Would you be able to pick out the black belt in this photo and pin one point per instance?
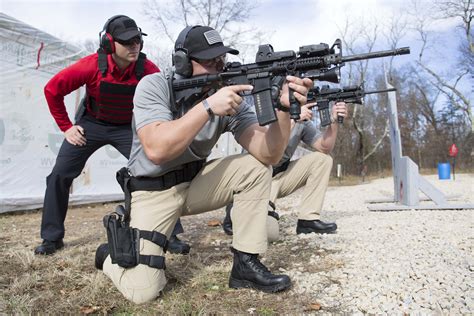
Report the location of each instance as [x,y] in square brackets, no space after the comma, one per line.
[168,180]
[161,183]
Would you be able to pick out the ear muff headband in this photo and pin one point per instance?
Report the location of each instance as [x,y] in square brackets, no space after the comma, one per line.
[182,37]
[180,58]
[106,25]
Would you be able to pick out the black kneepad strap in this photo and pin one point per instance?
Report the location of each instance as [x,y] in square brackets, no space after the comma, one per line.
[124,243]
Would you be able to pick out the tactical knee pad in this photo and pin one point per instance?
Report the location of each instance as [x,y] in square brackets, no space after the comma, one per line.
[273,226]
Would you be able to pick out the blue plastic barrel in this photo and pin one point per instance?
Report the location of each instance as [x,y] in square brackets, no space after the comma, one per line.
[444,171]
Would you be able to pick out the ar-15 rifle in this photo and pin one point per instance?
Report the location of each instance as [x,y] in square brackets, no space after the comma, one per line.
[317,62]
[324,95]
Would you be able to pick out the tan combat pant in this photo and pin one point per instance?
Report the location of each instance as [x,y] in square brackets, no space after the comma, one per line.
[312,171]
[240,178]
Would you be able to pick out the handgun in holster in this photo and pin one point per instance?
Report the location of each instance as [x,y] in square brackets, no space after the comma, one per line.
[124,241]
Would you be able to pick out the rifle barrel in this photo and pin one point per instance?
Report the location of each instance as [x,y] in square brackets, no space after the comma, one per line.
[380,91]
[383,53]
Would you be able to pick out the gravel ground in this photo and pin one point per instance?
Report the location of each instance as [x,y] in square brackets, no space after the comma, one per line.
[399,262]
[414,261]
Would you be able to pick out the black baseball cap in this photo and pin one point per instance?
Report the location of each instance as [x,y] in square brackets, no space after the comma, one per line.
[124,28]
[203,42]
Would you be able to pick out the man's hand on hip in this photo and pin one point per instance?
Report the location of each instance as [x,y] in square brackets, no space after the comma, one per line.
[75,135]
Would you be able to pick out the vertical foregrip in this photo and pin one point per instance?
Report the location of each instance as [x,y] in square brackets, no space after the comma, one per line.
[340,119]
[295,109]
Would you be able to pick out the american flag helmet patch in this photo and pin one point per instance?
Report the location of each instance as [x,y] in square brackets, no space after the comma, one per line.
[212,37]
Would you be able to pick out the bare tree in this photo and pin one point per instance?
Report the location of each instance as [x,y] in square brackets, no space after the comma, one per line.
[90,46]
[432,104]
[461,10]
[449,84]
[228,17]
[357,38]
[394,31]
[448,89]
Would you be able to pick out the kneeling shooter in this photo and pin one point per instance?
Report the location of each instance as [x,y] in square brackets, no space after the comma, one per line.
[169,148]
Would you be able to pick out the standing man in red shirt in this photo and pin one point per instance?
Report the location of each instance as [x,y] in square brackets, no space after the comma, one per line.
[110,76]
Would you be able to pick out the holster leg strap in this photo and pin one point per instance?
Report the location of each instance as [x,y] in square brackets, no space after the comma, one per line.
[155,237]
[157,262]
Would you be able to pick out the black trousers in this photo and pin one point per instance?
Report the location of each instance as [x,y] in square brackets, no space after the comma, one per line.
[69,164]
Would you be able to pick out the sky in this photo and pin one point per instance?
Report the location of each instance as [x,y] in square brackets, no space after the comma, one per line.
[289,23]
[290,20]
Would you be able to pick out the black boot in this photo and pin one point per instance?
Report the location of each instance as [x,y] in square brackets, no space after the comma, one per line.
[315,226]
[100,254]
[49,247]
[227,223]
[249,272]
[178,246]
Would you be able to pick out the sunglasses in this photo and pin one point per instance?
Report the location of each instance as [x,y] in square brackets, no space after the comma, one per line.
[217,61]
[134,41]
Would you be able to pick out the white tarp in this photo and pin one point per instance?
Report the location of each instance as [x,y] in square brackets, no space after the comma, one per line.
[29,136]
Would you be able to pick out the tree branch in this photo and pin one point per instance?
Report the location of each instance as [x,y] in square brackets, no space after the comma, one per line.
[379,142]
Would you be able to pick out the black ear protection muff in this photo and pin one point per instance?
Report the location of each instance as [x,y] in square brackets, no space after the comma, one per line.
[107,41]
[180,59]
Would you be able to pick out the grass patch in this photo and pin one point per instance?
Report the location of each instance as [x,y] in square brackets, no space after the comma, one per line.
[68,283]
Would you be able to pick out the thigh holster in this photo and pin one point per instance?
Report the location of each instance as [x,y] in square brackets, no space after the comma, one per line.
[124,242]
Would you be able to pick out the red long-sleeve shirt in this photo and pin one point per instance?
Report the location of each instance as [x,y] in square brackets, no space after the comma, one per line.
[86,72]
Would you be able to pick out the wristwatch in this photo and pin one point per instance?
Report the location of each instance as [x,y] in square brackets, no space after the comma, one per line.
[208,108]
